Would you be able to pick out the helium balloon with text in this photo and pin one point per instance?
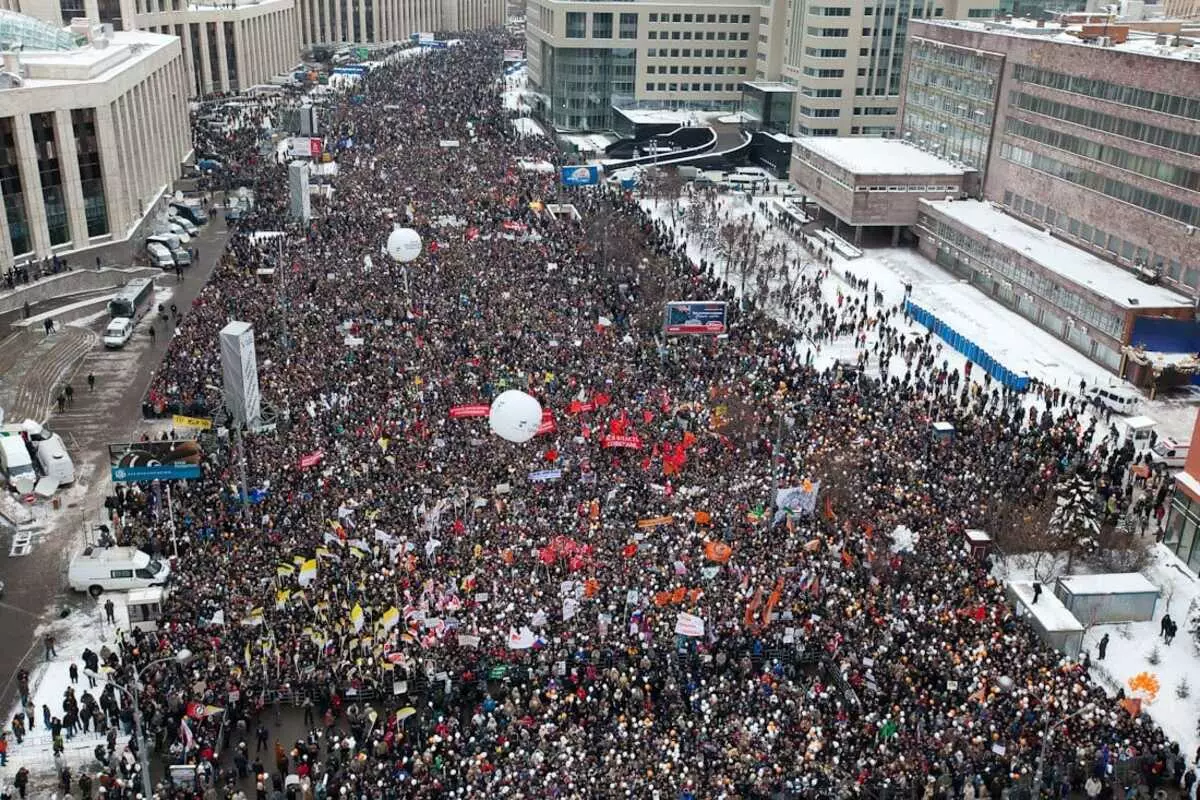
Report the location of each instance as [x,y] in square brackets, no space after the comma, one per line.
[404,244]
[515,416]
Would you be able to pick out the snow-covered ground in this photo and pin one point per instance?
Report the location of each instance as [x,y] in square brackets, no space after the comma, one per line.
[515,91]
[527,127]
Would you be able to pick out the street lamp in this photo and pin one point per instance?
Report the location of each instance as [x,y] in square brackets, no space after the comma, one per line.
[1007,684]
[182,657]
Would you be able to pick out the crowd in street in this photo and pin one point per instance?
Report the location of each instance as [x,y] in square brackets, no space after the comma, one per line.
[460,616]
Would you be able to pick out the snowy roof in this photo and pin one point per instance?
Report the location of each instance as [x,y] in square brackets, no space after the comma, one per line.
[1189,482]
[1109,583]
[680,117]
[1138,43]
[1055,255]
[976,535]
[770,86]
[871,156]
[1048,610]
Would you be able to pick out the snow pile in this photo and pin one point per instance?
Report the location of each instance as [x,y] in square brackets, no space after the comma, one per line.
[903,540]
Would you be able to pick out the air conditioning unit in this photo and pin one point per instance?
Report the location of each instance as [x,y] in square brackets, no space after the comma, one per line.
[1105,41]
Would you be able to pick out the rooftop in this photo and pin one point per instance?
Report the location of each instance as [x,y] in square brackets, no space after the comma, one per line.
[1139,42]
[871,156]
[770,86]
[1075,265]
[1109,583]
[1048,610]
[88,63]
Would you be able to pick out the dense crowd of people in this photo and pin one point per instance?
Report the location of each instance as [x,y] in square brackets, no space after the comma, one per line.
[460,616]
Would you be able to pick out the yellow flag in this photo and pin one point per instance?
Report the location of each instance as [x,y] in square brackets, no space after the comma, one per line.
[390,618]
[285,570]
[356,617]
[281,598]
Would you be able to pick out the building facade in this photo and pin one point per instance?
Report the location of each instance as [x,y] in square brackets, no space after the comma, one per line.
[1094,140]
[584,57]
[90,135]
[324,22]
[1183,519]
[846,58]
[227,47]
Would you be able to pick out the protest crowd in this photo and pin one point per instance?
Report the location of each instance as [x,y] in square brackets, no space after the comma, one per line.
[461,616]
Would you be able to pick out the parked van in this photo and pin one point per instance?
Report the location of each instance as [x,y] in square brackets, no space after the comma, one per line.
[1115,398]
[115,569]
[17,464]
[167,240]
[160,255]
[1170,452]
[52,455]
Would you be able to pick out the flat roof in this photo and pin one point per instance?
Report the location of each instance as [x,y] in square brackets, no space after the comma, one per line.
[864,155]
[1048,610]
[1075,265]
[770,86]
[1139,43]
[91,64]
[1109,583]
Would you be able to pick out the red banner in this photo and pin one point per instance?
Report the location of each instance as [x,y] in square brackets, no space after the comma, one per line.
[314,147]
[578,407]
[477,410]
[513,226]
[312,459]
[632,442]
[548,424]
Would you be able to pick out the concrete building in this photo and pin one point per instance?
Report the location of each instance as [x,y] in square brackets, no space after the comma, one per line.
[93,128]
[1181,9]
[1079,298]
[1089,132]
[871,182]
[228,47]
[372,21]
[585,57]
[1183,519]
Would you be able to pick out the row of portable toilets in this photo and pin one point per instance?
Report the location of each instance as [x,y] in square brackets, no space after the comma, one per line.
[978,356]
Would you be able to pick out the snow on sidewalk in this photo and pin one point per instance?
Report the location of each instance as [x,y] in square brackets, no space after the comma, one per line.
[84,627]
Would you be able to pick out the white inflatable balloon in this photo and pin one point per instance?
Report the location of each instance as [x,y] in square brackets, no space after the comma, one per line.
[515,416]
[404,244]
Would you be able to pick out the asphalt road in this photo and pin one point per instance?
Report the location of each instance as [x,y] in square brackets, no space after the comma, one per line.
[33,368]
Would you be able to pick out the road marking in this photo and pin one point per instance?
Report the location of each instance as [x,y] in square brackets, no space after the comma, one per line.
[19,610]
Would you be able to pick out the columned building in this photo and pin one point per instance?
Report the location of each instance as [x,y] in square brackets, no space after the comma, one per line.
[372,21]
[93,128]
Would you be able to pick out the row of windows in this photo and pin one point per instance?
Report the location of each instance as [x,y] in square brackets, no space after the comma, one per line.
[999,260]
[720,36]
[828,11]
[1118,190]
[1175,105]
[813,72]
[804,131]
[1097,238]
[873,130]
[687,52]
[1188,143]
[696,70]
[1154,168]
[914,188]
[825,52]
[695,87]
[835,33]
[876,111]
[886,33]
[964,60]
[601,25]
[805,111]
[711,18]
[975,86]
[1182,527]
[808,91]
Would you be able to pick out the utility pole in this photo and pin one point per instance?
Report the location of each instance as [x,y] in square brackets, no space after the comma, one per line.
[240,455]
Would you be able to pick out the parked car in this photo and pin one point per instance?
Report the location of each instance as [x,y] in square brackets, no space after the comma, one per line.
[52,455]
[118,332]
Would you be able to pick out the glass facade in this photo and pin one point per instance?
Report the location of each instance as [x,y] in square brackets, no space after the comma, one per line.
[1182,524]
[50,171]
[19,30]
[584,83]
[10,189]
[231,55]
[91,174]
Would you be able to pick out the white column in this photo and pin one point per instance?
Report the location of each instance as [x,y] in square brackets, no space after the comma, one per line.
[72,189]
[31,186]
[115,198]
[222,64]
[362,22]
[206,77]
[6,253]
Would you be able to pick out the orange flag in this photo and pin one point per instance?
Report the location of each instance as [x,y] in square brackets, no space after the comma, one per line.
[718,552]
[591,587]
[752,608]
[703,518]
[772,601]
[662,599]
[678,595]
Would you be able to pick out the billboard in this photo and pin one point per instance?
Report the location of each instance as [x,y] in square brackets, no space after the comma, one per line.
[514,55]
[695,317]
[300,199]
[159,460]
[581,175]
[239,366]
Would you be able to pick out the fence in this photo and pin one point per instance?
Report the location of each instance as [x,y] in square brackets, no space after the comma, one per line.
[1000,373]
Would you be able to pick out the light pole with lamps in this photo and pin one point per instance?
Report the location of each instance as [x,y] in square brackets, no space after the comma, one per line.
[1008,684]
[139,730]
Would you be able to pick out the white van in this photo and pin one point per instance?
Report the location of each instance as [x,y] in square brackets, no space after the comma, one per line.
[17,464]
[1170,452]
[160,256]
[1115,398]
[115,569]
[52,456]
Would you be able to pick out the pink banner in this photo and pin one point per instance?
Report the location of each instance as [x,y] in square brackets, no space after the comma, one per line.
[312,459]
[478,410]
[633,442]
[548,424]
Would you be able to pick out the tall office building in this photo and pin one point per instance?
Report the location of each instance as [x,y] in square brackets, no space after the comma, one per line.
[846,59]
[93,127]
[1091,132]
[584,57]
[371,21]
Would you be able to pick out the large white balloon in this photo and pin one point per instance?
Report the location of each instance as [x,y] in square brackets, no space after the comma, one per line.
[515,416]
[404,244]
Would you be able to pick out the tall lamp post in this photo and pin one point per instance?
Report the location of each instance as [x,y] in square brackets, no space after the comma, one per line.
[1008,684]
[139,729]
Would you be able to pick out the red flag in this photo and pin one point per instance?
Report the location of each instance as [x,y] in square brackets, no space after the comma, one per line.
[547,555]
[629,550]
[647,417]
[600,399]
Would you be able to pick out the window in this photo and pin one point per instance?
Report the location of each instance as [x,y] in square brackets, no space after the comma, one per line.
[649,87]
[676,17]
[117,574]
[576,25]
[83,122]
[602,25]
[654,18]
[1175,105]
[673,87]
[653,35]
[708,87]
[662,87]
[628,26]
[745,19]
[687,17]
[651,53]
[712,18]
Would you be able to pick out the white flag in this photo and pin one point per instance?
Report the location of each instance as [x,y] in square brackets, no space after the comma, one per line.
[522,640]
[689,625]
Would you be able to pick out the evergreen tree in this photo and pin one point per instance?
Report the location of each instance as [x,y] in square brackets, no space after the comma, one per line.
[1075,522]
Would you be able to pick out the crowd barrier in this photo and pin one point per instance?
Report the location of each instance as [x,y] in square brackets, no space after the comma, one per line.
[978,356]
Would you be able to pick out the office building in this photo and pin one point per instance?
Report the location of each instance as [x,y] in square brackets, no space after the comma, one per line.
[93,128]
[585,57]
[325,22]
[1183,520]
[228,47]
[846,59]
[1089,131]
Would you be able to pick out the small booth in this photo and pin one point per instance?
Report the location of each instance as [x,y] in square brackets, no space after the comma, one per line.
[979,543]
[943,431]
[1054,622]
[1138,430]
[145,608]
[1111,597]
